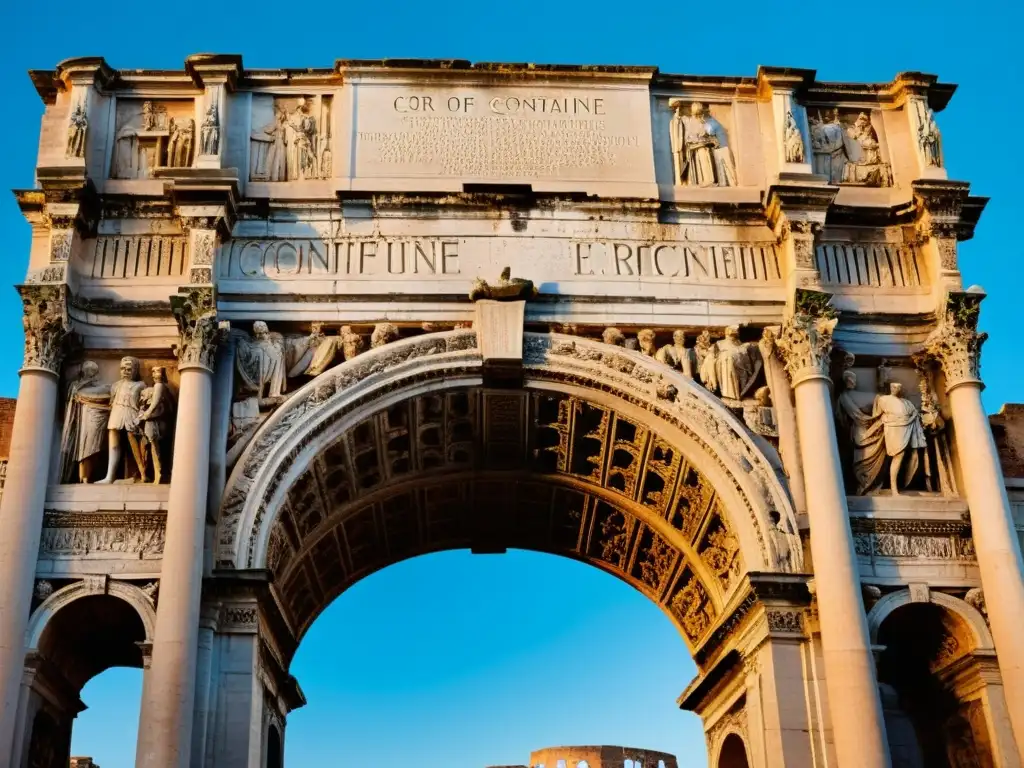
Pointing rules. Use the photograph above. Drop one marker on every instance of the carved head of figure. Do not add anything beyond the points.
(763, 396)
(89, 372)
(159, 374)
(129, 368)
(697, 109)
(863, 122)
(614, 337)
(303, 105)
(733, 333)
(383, 333)
(896, 389)
(679, 338)
(849, 379)
(646, 341)
(260, 330)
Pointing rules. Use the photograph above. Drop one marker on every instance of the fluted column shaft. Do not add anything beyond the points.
(168, 697)
(24, 494)
(858, 727)
(956, 345)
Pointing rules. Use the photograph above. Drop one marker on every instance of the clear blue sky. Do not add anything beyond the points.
(459, 661)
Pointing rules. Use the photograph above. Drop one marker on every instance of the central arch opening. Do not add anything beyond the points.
(463, 660)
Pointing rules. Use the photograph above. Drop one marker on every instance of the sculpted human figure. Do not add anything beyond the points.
(182, 158)
(270, 145)
(645, 341)
(827, 146)
(904, 435)
(864, 433)
(260, 362)
(865, 164)
(942, 478)
(383, 333)
(76, 132)
(209, 133)
(157, 414)
(700, 151)
(928, 136)
(84, 435)
(760, 415)
(676, 355)
(124, 418)
(613, 336)
(351, 342)
(731, 366)
(793, 140)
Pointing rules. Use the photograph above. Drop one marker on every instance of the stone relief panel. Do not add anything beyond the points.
(102, 416)
(152, 134)
(918, 540)
(892, 432)
(701, 155)
(291, 138)
(847, 149)
(78, 534)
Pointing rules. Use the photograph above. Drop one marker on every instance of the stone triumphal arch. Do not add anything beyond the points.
(285, 328)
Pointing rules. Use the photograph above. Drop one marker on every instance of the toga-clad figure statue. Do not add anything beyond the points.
(84, 434)
(260, 362)
(731, 366)
(676, 355)
(903, 434)
(125, 408)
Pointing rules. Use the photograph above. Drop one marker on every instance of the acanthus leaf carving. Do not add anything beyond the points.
(46, 325)
(195, 309)
(956, 343)
(805, 342)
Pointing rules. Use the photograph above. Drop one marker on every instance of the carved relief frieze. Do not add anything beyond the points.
(291, 138)
(846, 148)
(152, 134)
(701, 154)
(139, 535)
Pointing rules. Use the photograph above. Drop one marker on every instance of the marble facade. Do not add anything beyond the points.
(287, 327)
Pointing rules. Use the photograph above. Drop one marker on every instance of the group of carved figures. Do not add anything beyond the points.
(100, 418)
(701, 155)
(891, 431)
(154, 140)
(848, 154)
(288, 148)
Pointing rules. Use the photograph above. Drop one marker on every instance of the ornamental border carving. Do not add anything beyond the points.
(137, 534)
(269, 464)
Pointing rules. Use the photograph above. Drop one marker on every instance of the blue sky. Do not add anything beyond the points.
(459, 661)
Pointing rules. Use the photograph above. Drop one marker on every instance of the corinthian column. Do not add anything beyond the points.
(856, 712)
(168, 696)
(956, 346)
(21, 512)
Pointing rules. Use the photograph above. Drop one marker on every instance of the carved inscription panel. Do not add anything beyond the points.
(513, 133)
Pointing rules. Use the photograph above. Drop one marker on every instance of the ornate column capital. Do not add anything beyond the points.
(46, 324)
(195, 310)
(805, 342)
(956, 343)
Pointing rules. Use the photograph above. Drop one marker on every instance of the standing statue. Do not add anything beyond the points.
(828, 147)
(864, 434)
(209, 133)
(179, 145)
(77, 128)
(937, 450)
(700, 149)
(124, 417)
(731, 366)
(157, 403)
(793, 140)
(676, 355)
(904, 435)
(260, 362)
(84, 434)
(864, 151)
(928, 136)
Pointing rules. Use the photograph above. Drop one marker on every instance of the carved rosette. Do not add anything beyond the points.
(805, 342)
(956, 344)
(195, 309)
(46, 326)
